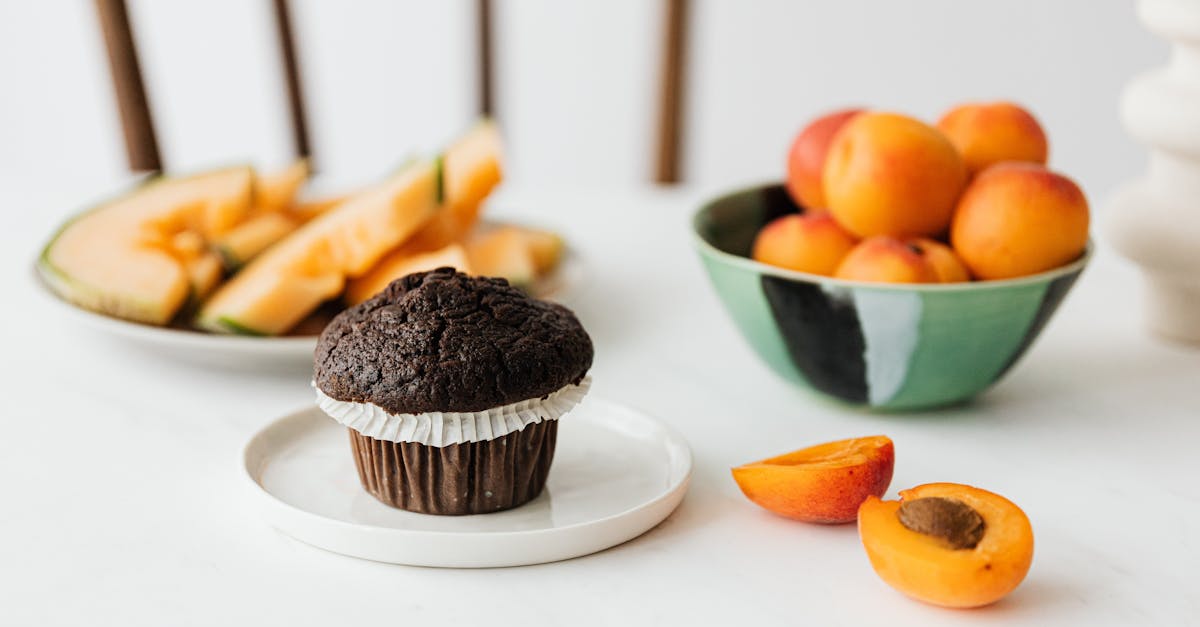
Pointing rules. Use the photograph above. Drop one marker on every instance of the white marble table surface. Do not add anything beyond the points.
(123, 501)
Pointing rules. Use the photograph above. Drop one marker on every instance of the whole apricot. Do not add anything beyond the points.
(806, 159)
(948, 544)
(890, 174)
(883, 259)
(987, 133)
(821, 484)
(805, 243)
(1017, 219)
(946, 264)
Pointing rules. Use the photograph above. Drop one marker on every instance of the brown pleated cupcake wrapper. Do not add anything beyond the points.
(468, 478)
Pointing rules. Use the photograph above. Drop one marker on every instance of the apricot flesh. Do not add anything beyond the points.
(825, 483)
(805, 243)
(948, 544)
(1017, 219)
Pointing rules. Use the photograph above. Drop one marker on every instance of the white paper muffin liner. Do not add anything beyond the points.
(447, 428)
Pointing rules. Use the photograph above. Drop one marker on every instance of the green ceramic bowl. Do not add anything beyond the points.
(885, 346)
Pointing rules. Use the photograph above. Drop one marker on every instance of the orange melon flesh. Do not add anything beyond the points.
(502, 252)
(277, 191)
(248, 239)
(546, 248)
(471, 168)
(292, 278)
(121, 258)
(310, 209)
(204, 274)
(401, 263)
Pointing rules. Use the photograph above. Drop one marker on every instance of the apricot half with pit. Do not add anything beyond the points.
(948, 544)
(821, 484)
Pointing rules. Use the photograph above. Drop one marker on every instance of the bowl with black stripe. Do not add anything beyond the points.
(876, 345)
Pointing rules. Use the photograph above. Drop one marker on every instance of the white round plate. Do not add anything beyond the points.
(616, 474)
(247, 352)
(233, 351)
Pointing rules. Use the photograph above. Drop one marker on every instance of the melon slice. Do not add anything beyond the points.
(248, 239)
(204, 274)
(310, 209)
(398, 264)
(122, 259)
(546, 247)
(471, 167)
(277, 191)
(291, 279)
(503, 252)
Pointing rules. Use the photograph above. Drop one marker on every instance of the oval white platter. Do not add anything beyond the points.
(616, 474)
(247, 352)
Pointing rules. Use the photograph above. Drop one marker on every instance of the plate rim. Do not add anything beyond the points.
(137, 330)
(680, 485)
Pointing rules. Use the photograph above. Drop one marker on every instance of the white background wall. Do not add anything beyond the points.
(575, 81)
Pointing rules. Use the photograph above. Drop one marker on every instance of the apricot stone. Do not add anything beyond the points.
(992, 132)
(805, 243)
(820, 484)
(948, 544)
(1017, 219)
(890, 174)
(806, 159)
(883, 259)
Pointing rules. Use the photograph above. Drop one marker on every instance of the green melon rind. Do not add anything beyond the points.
(439, 167)
(89, 296)
(77, 292)
(229, 325)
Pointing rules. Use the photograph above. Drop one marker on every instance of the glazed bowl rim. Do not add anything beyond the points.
(746, 263)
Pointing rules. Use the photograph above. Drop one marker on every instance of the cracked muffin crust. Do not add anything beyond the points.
(447, 342)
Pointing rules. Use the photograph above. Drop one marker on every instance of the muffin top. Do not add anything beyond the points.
(445, 341)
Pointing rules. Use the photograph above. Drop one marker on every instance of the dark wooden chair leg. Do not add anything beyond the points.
(486, 62)
(140, 143)
(291, 73)
(671, 96)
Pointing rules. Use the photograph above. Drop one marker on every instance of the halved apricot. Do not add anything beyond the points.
(822, 484)
(948, 544)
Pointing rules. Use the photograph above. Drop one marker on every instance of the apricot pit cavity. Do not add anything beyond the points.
(950, 520)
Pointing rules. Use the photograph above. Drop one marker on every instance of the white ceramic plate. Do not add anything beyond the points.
(245, 352)
(617, 473)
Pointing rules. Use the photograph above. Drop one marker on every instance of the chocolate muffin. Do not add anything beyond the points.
(451, 388)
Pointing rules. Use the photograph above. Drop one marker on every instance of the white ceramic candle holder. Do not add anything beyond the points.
(1156, 218)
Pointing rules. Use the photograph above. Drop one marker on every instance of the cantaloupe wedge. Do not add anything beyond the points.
(290, 279)
(304, 211)
(502, 252)
(237, 247)
(546, 247)
(471, 167)
(122, 259)
(395, 266)
(270, 217)
(204, 274)
(277, 191)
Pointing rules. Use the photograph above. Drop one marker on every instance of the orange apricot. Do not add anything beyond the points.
(883, 259)
(890, 174)
(805, 243)
(948, 544)
(821, 484)
(992, 132)
(806, 159)
(1017, 219)
(946, 264)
